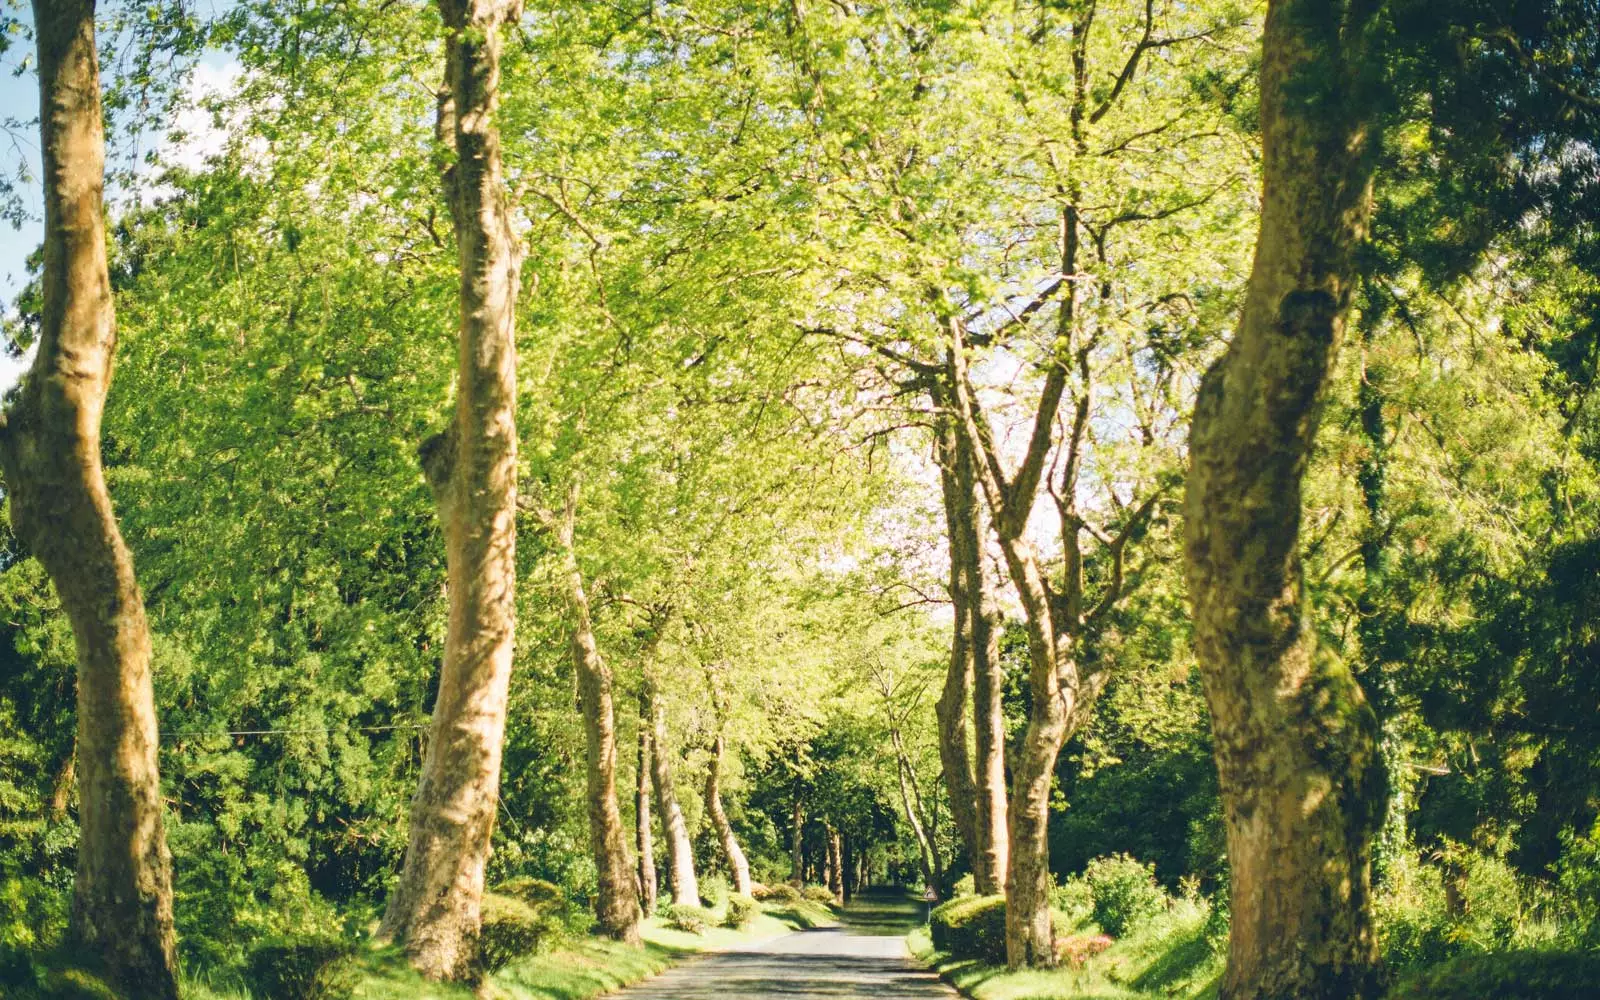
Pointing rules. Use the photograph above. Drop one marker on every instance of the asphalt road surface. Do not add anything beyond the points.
(864, 958)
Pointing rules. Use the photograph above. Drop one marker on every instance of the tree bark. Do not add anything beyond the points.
(988, 687)
(797, 858)
(738, 866)
(951, 709)
(616, 905)
(644, 844)
(836, 865)
(977, 794)
(121, 913)
(1295, 741)
(434, 911)
(680, 848)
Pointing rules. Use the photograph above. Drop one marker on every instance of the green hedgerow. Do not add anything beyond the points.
(971, 927)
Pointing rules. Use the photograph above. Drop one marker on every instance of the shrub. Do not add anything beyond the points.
(1579, 878)
(781, 892)
(713, 890)
(741, 912)
(536, 892)
(1506, 975)
(818, 894)
(971, 927)
(315, 968)
(1075, 950)
(1073, 897)
(511, 929)
(966, 885)
(683, 917)
(1125, 893)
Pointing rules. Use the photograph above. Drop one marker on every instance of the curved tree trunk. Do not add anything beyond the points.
(472, 469)
(680, 848)
(737, 864)
(50, 451)
(644, 845)
(616, 905)
(1295, 742)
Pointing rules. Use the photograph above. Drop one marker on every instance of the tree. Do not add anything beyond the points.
(472, 469)
(50, 452)
(1295, 741)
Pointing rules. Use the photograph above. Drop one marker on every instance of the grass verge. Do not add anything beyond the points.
(1168, 957)
(573, 969)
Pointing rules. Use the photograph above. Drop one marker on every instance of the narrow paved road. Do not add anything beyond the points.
(864, 958)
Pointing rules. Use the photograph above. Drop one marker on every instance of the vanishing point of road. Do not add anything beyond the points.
(865, 957)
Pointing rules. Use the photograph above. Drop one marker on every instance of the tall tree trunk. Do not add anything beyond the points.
(616, 904)
(960, 514)
(848, 855)
(988, 687)
(644, 844)
(680, 848)
(836, 865)
(50, 451)
(1295, 741)
(737, 864)
(472, 469)
(911, 801)
(797, 858)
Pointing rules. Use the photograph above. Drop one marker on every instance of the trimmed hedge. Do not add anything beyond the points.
(512, 928)
(819, 894)
(783, 892)
(1507, 975)
(971, 927)
(320, 968)
(690, 919)
(741, 912)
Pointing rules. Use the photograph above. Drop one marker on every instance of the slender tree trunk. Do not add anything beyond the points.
(851, 863)
(988, 687)
(738, 866)
(1295, 741)
(50, 451)
(616, 901)
(960, 513)
(797, 819)
(911, 801)
(644, 845)
(836, 865)
(680, 848)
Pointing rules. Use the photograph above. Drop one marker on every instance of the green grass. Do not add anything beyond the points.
(1168, 958)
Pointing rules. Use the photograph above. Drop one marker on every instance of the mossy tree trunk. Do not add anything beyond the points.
(121, 916)
(1295, 742)
(732, 853)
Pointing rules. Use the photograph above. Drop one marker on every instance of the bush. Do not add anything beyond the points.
(318, 968)
(966, 885)
(741, 912)
(536, 892)
(1125, 893)
(819, 894)
(1073, 897)
(781, 892)
(511, 929)
(971, 927)
(683, 917)
(713, 890)
(1507, 975)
